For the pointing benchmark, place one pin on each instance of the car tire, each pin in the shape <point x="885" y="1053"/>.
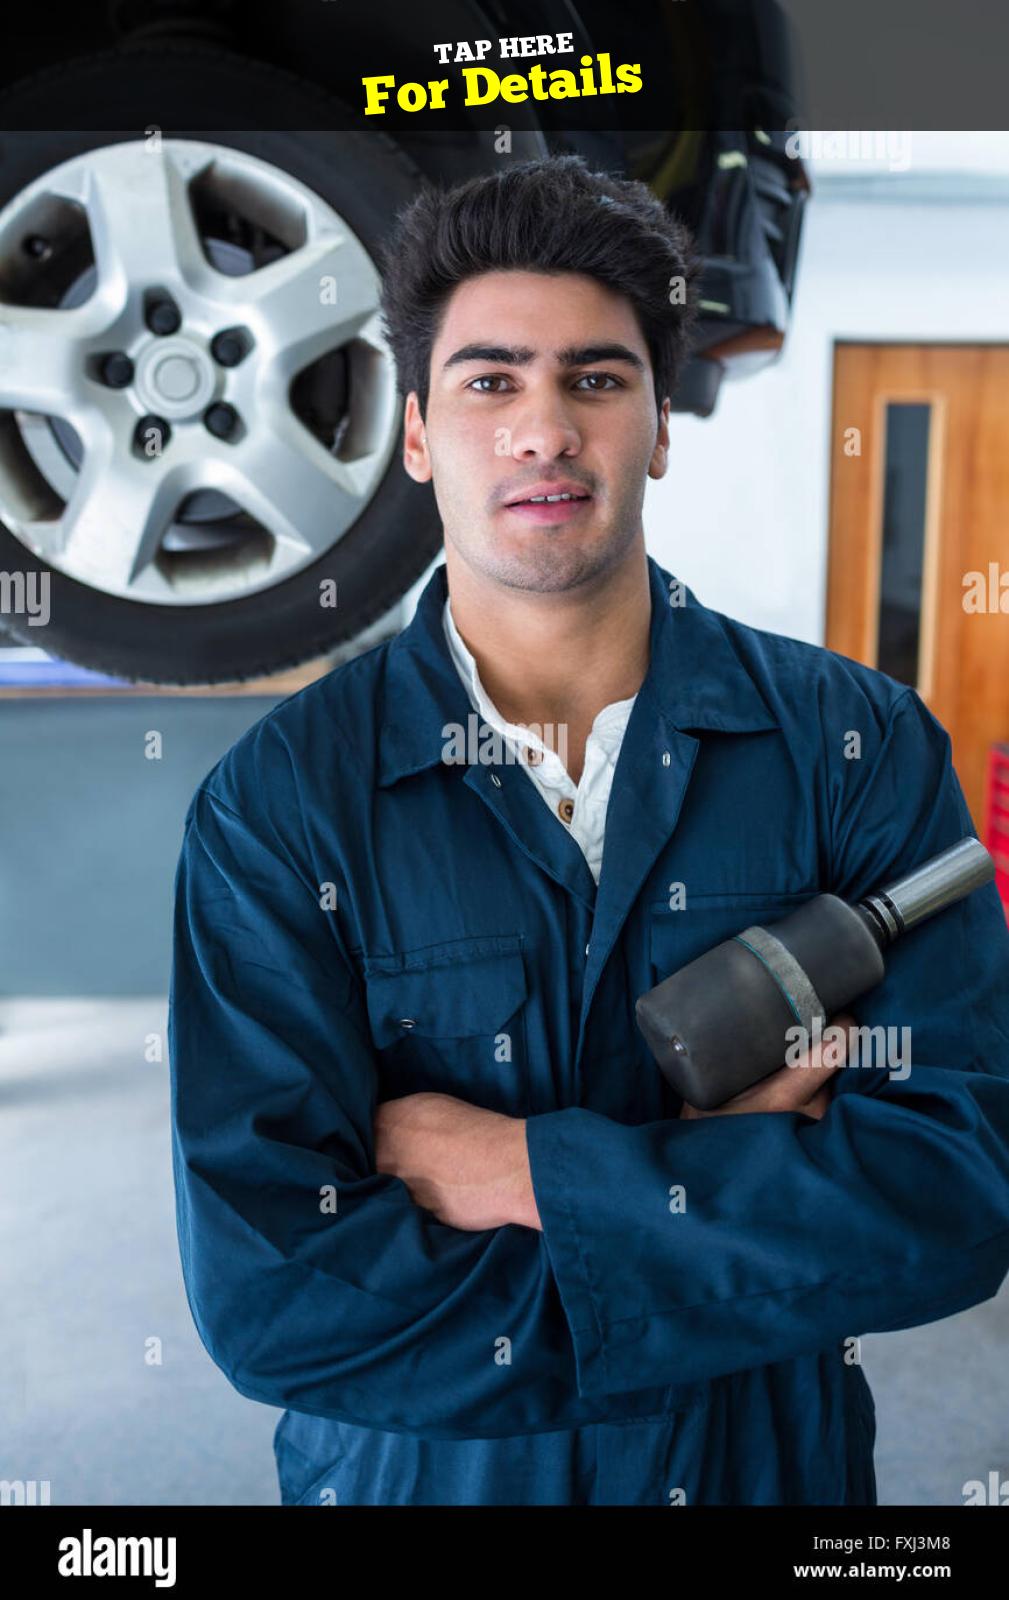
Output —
<point x="366" y="178"/>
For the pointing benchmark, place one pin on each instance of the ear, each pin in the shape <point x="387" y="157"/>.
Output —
<point x="415" y="457"/>
<point x="660" y="455"/>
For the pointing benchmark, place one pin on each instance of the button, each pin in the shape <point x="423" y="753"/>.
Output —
<point x="495" y="779"/>
<point x="586" y="949"/>
<point x="665" y="758"/>
<point x="565" y="809"/>
<point x="407" y="1022"/>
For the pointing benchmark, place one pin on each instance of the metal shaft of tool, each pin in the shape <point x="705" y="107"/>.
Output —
<point x="949" y="876"/>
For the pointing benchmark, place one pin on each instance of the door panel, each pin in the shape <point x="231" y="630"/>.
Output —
<point x="919" y="503"/>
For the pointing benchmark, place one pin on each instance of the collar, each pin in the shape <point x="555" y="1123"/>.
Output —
<point x="695" y="678"/>
<point x="465" y="664"/>
<point x="607" y="727"/>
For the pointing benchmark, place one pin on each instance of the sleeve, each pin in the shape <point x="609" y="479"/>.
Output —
<point x="314" y="1282"/>
<point x="890" y="1211"/>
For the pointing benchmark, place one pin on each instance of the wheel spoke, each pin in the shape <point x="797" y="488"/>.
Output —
<point x="290" y="483"/>
<point x="42" y="355"/>
<point x="311" y="301"/>
<point x="115" y="520"/>
<point x="141" y="219"/>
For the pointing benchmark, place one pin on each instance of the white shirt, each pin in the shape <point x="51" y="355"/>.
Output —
<point x="582" y="806"/>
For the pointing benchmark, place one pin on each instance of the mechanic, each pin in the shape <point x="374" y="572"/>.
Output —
<point x="434" y="1197"/>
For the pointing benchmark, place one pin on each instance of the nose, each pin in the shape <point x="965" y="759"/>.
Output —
<point x="542" y="426"/>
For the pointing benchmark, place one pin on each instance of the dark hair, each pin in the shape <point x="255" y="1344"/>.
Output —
<point x="552" y="215"/>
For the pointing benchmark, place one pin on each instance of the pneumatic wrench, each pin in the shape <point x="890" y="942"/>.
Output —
<point x="721" y="1023"/>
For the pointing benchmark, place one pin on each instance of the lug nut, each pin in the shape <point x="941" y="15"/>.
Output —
<point x="117" y="370"/>
<point x="228" y="347"/>
<point x="151" y="435"/>
<point x="163" y="317"/>
<point x="220" y="419"/>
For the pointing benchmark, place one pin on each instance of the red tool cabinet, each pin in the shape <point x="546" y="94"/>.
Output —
<point x="997" y="809"/>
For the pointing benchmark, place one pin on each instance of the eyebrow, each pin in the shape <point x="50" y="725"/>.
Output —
<point x="521" y="355"/>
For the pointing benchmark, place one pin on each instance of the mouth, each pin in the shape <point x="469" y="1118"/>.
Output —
<point x="558" y="506"/>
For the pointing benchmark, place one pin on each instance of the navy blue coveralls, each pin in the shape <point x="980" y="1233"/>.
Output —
<point x="357" y="918"/>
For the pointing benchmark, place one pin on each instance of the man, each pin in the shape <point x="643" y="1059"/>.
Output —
<point x="434" y="1196"/>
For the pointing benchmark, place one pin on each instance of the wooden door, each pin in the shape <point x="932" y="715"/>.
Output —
<point x="918" y="575"/>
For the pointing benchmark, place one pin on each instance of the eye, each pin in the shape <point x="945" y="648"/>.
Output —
<point x="489" y="377"/>
<point x="607" y="377"/>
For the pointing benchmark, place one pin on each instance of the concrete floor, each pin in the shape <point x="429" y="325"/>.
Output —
<point x="90" y="1276"/>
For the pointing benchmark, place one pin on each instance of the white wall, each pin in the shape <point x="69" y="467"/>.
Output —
<point x="742" y="514"/>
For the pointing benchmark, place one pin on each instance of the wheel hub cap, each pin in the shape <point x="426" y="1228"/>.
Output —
<point x="175" y="378"/>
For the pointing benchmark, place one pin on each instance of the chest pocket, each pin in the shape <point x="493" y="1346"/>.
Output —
<point x="676" y="937"/>
<point x="451" y="1018"/>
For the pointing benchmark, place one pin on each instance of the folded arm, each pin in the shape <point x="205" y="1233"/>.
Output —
<point x="692" y="1249"/>
<point x="315" y="1282"/>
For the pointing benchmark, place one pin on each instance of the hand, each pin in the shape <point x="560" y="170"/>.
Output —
<point x="467" y="1165"/>
<point x="804" y="1087"/>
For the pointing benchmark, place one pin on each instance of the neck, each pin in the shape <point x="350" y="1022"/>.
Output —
<point x="557" y="658"/>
